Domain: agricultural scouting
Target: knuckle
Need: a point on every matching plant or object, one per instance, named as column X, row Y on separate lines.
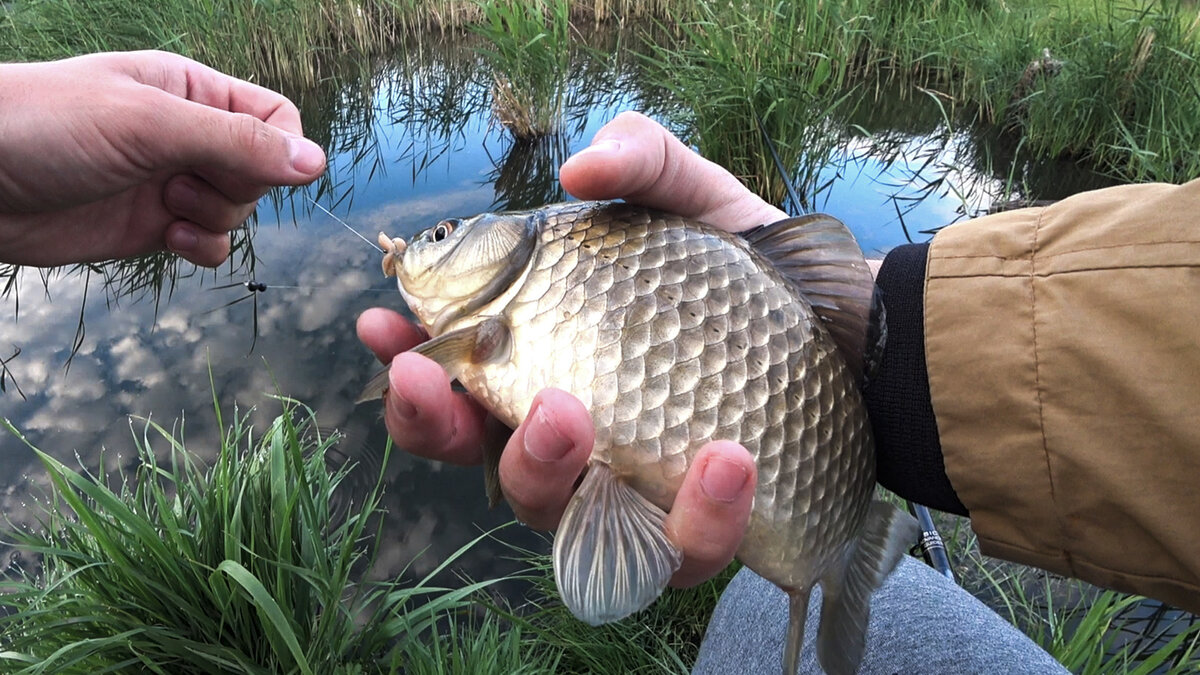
column 249, row 134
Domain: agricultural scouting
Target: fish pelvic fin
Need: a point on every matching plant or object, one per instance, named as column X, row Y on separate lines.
column 819, row 255
column 612, row 556
column 845, row 608
column 797, row 615
column 496, row 435
column 375, row 388
column 485, row 342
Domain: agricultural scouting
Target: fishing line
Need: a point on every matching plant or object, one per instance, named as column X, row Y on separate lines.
column 343, row 223
column 254, row 287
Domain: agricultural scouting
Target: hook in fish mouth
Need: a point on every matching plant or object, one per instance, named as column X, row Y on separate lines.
column 394, row 248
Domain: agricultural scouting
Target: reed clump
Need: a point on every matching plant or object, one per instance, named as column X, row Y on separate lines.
column 740, row 70
column 528, row 56
column 1120, row 96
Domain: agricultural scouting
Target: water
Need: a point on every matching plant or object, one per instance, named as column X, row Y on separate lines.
column 410, row 142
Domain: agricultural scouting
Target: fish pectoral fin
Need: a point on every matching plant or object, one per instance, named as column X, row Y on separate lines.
column 845, row 608
column 612, row 556
column 375, row 388
column 485, row 342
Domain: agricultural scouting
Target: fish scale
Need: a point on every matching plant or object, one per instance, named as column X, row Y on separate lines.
column 673, row 334
column 761, row 372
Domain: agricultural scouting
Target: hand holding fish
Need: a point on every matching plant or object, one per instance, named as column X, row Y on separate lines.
column 679, row 341
column 631, row 157
column 118, row 154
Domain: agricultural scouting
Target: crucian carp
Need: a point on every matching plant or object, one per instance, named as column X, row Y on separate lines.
column 673, row 333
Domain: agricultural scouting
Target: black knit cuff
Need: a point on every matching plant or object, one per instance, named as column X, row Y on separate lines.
column 908, row 452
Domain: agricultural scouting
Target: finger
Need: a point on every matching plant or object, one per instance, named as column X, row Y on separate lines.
column 426, row 418
column 636, row 159
column 191, row 198
column 194, row 81
column 197, row 244
column 711, row 511
column 544, row 457
column 387, row 333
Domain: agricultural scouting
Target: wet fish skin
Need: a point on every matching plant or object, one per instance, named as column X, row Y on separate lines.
column 672, row 334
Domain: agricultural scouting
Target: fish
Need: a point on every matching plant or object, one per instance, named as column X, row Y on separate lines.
column 674, row 333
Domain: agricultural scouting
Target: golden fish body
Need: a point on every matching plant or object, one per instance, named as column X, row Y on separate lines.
column 672, row 334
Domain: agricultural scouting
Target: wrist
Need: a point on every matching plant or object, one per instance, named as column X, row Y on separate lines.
column 908, row 450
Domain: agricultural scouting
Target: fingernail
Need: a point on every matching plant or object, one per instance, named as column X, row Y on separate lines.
column 400, row 406
column 307, row 157
column 543, row 441
column 182, row 239
column 723, row 480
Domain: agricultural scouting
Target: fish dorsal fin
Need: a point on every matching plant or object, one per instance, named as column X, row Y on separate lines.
column 818, row 254
column 454, row 350
column 611, row 554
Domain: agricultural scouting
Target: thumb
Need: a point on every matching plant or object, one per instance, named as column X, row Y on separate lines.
column 246, row 151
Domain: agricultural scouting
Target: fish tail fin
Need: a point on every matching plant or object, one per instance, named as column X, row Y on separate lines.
column 797, row 614
column 611, row 554
column 845, row 609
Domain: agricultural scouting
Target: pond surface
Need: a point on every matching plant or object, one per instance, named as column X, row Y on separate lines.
column 411, row 142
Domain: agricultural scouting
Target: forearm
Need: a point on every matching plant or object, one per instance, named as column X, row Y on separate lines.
column 1063, row 376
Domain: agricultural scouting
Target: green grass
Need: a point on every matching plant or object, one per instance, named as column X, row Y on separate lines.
column 243, row 567
column 1123, row 100
column 249, row 566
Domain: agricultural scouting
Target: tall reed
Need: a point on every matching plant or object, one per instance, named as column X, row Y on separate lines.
column 781, row 63
column 529, row 58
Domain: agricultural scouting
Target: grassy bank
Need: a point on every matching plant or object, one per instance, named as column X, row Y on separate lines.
column 256, row 565
column 1116, row 91
column 246, row 566
column 1120, row 93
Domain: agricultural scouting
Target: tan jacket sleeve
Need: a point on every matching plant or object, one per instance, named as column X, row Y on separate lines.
column 1063, row 348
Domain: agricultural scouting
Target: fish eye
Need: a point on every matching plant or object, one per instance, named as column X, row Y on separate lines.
column 443, row 230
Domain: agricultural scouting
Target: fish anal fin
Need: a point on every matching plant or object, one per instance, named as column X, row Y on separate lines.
column 845, row 607
column 485, row 342
column 819, row 255
column 612, row 556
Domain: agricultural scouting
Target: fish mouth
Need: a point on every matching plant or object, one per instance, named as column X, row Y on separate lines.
column 393, row 254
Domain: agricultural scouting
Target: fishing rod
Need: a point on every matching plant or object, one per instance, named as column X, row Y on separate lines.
column 933, row 549
column 783, row 174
